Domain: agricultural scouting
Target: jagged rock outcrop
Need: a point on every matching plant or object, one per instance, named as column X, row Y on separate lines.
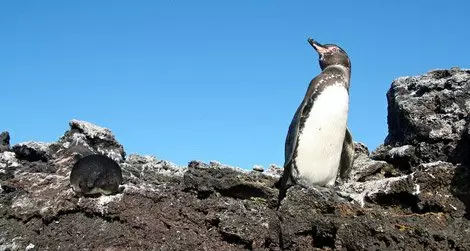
column 32, row 151
column 428, row 119
column 96, row 139
column 412, row 193
column 429, row 122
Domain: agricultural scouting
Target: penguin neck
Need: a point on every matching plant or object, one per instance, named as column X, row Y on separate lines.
column 346, row 71
column 332, row 74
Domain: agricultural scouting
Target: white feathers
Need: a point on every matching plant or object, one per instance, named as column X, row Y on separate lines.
column 321, row 140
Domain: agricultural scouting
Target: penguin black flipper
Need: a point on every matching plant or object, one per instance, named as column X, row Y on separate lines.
column 293, row 133
column 286, row 179
column 291, row 137
column 347, row 156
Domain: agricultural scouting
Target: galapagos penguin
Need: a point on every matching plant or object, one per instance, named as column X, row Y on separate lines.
column 96, row 174
column 318, row 144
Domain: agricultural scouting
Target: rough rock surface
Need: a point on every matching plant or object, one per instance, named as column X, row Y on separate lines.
column 428, row 119
column 97, row 139
column 32, row 151
column 412, row 193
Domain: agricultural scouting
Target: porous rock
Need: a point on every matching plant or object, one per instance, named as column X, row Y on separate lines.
column 412, row 193
column 431, row 113
column 96, row 138
column 32, row 151
column 365, row 168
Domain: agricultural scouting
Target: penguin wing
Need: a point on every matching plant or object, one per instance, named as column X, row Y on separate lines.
column 292, row 135
column 286, row 179
column 291, row 138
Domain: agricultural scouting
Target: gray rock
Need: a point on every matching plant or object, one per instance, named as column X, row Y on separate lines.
column 274, row 171
column 320, row 220
column 365, row 168
column 258, row 168
column 150, row 170
column 32, row 151
column 95, row 138
column 230, row 182
column 431, row 112
column 8, row 165
column 403, row 157
column 412, row 193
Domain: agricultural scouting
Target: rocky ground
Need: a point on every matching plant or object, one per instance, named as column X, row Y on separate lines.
column 412, row 193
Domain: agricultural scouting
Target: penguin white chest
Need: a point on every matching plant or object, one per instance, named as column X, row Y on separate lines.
column 321, row 141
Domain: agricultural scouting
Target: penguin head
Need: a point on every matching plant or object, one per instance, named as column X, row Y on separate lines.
column 330, row 54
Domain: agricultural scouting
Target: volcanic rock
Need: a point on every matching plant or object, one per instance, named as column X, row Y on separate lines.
column 412, row 193
column 430, row 113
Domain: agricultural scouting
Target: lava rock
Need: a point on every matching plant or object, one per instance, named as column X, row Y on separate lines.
column 412, row 193
column 32, row 151
column 148, row 169
column 365, row 168
column 431, row 112
column 403, row 157
column 97, row 139
column 228, row 181
column 258, row 168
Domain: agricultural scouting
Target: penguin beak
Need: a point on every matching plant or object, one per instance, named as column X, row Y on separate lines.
column 317, row 46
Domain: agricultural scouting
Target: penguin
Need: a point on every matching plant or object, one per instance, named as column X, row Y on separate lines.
column 318, row 143
column 4, row 142
column 96, row 174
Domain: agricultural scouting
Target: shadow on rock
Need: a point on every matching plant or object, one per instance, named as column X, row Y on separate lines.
column 460, row 186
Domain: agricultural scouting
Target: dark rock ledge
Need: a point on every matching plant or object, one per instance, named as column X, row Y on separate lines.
column 412, row 193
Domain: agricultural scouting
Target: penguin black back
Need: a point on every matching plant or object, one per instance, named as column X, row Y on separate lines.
column 94, row 174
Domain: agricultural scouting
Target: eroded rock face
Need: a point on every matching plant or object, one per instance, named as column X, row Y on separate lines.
column 412, row 193
column 428, row 120
column 32, row 151
column 431, row 113
column 97, row 139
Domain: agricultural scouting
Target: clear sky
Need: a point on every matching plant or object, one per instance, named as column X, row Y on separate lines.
column 210, row 80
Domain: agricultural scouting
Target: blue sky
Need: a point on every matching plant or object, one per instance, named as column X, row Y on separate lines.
column 210, row 80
